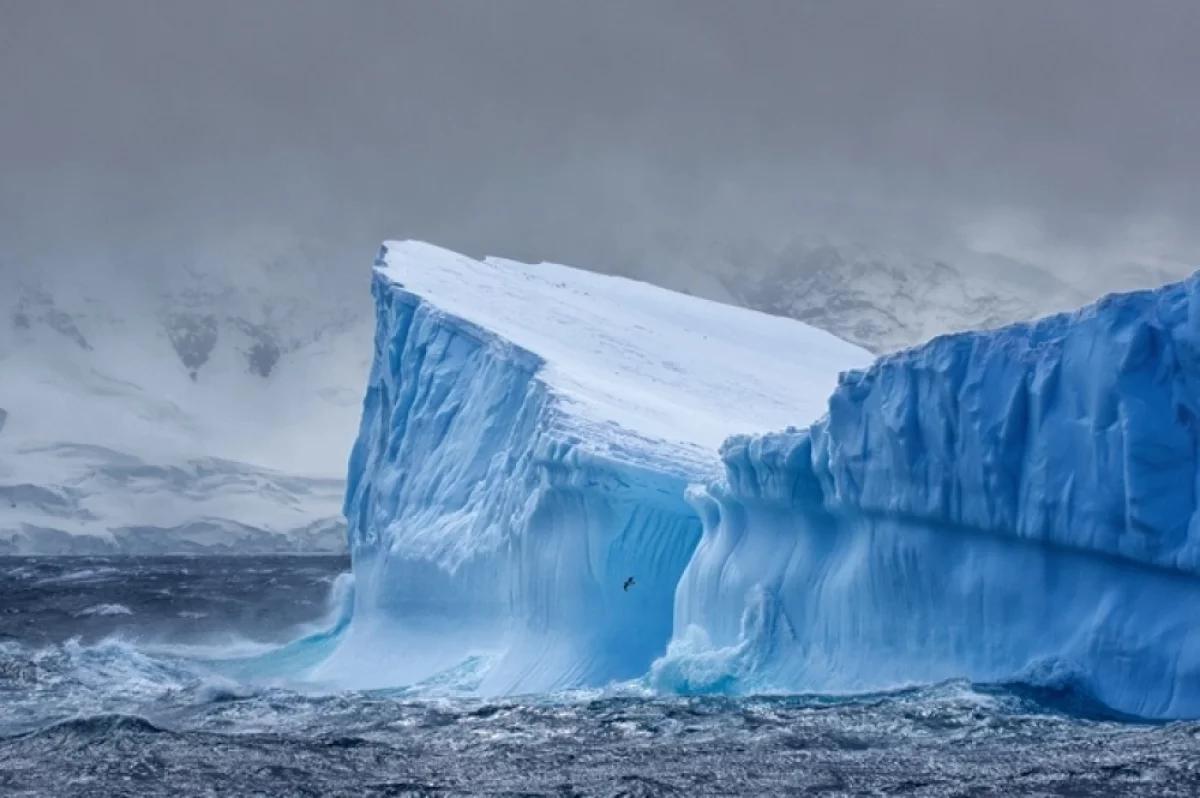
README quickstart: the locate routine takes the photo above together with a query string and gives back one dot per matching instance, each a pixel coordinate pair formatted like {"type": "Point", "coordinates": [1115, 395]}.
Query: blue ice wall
{"type": "Point", "coordinates": [995, 505]}
{"type": "Point", "coordinates": [490, 542]}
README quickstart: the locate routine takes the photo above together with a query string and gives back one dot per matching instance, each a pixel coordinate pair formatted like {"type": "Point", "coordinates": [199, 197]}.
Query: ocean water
{"type": "Point", "coordinates": [167, 676]}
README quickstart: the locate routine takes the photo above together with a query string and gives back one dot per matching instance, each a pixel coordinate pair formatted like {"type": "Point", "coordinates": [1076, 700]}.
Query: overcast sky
{"type": "Point", "coordinates": [606, 134]}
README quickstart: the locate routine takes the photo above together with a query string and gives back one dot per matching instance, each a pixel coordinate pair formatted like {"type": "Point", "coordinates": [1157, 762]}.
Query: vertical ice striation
{"type": "Point", "coordinates": [1013, 504]}
{"type": "Point", "coordinates": [527, 437]}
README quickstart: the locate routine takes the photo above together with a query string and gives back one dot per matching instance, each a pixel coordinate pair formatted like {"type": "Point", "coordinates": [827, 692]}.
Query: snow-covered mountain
{"type": "Point", "coordinates": [886, 302]}
{"type": "Point", "coordinates": [890, 300]}
{"type": "Point", "coordinates": [199, 415]}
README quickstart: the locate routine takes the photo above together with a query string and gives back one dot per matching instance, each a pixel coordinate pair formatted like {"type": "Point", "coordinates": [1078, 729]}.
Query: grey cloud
{"type": "Point", "coordinates": [612, 134]}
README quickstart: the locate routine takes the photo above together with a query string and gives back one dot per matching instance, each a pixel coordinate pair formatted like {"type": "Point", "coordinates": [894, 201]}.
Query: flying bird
{"type": "Point", "coordinates": [628, 584]}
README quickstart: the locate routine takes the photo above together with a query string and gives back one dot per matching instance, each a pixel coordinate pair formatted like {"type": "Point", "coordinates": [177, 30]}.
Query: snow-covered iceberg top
{"type": "Point", "coordinates": [654, 366]}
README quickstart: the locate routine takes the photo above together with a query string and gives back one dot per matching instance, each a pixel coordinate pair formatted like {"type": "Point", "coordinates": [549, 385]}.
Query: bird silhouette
{"type": "Point", "coordinates": [628, 584]}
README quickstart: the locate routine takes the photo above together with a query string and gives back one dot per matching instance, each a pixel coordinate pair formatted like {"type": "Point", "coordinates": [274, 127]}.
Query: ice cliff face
{"type": "Point", "coordinates": [528, 434]}
{"type": "Point", "coordinates": [1014, 504]}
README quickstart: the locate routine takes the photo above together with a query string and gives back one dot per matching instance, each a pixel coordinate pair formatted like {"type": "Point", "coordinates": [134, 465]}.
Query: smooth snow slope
{"type": "Point", "coordinates": [527, 437]}
{"type": "Point", "coordinates": [1019, 504]}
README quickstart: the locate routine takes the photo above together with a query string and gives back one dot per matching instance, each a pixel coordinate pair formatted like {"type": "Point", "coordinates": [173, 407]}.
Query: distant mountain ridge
{"type": "Point", "coordinates": [886, 304]}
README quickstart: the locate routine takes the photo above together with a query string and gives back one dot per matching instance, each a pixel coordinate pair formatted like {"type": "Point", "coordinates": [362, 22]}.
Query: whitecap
{"type": "Point", "coordinates": [104, 609]}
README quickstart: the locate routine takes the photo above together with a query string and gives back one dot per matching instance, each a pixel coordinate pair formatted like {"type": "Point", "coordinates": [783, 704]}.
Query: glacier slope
{"type": "Point", "coordinates": [527, 437]}
{"type": "Point", "coordinates": [1018, 504]}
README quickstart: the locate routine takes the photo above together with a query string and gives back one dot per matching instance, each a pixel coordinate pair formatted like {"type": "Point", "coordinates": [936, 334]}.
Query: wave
{"type": "Point", "coordinates": [83, 575]}
{"type": "Point", "coordinates": [292, 663]}
{"type": "Point", "coordinates": [96, 726]}
{"type": "Point", "coordinates": [104, 609]}
{"type": "Point", "coordinates": [42, 686]}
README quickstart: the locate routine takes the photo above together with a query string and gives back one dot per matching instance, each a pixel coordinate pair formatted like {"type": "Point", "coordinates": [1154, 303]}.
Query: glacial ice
{"type": "Point", "coordinates": [1010, 505]}
{"type": "Point", "coordinates": [1019, 504]}
{"type": "Point", "coordinates": [528, 434]}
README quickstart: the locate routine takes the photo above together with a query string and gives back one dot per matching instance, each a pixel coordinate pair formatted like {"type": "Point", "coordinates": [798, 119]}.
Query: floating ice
{"type": "Point", "coordinates": [1019, 504]}
{"type": "Point", "coordinates": [527, 437]}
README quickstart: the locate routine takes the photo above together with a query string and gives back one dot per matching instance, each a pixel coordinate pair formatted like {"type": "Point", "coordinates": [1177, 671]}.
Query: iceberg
{"type": "Point", "coordinates": [1013, 505]}
{"type": "Point", "coordinates": [528, 435]}
{"type": "Point", "coordinates": [1010, 505]}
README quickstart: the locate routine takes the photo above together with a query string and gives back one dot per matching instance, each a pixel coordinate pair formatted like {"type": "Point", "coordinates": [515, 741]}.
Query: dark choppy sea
{"type": "Point", "coordinates": [116, 679]}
